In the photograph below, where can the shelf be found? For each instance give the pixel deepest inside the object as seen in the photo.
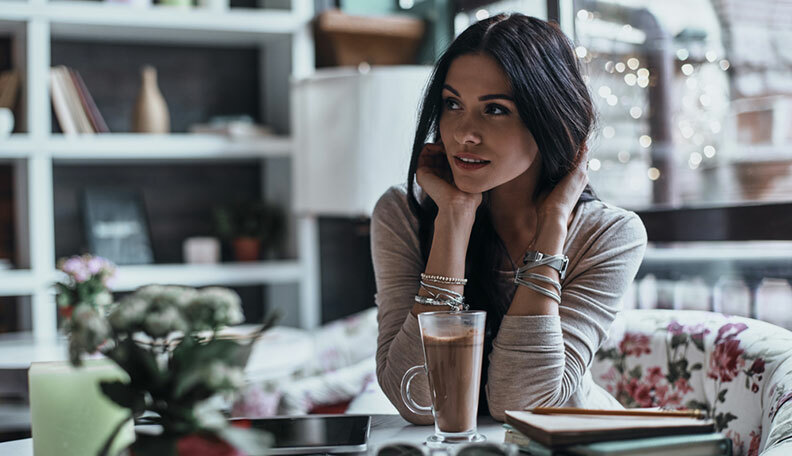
(199, 275)
(17, 282)
(131, 146)
(144, 147)
(17, 145)
(107, 21)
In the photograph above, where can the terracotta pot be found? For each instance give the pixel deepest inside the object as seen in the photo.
(246, 248)
(151, 113)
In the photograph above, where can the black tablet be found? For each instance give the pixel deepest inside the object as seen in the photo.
(314, 434)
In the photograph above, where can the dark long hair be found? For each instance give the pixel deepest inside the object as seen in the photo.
(554, 104)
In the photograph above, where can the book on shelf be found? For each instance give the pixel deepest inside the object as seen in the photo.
(9, 88)
(74, 107)
(708, 444)
(554, 431)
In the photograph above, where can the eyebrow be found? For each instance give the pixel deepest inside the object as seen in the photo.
(493, 96)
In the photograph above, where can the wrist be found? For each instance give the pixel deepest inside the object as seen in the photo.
(457, 217)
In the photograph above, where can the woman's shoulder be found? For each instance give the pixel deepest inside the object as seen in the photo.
(598, 217)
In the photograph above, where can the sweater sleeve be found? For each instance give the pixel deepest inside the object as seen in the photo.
(540, 360)
(397, 267)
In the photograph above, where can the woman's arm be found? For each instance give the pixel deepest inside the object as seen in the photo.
(539, 360)
(397, 266)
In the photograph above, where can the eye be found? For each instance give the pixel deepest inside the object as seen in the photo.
(496, 109)
(450, 104)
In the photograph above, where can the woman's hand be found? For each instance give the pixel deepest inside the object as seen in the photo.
(436, 179)
(561, 201)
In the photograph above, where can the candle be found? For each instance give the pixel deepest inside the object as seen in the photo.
(69, 413)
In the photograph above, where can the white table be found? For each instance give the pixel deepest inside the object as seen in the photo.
(384, 429)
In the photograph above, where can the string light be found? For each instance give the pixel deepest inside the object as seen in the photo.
(608, 132)
(630, 79)
(709, 151)
(582, 15)
(645, 141)
(633, 63)
(687, 69)
(604, 91)
(482, 14)
(724, 64)
(642, 82)
(705, 100)
(715, 126)
(609, 66)
(711, 56)
(620, 67)
(612, 100)
(682, 54)
(594, 164)
(695, 160)
(624, 156)
(636, 112)
(581, 52)
(653, 173)
(642, 73)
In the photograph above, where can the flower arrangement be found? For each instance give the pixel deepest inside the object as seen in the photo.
(167, 339)
(88, 281)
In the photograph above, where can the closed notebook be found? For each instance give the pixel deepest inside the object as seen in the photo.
(565, 430)
(713, 444)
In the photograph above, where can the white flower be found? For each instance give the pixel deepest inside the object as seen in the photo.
(215, 307)
(160, 324)
(129, 314)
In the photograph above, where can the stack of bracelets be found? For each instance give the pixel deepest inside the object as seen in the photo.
(439, 296)
(533, 260)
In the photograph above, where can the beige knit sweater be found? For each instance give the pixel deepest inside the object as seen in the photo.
(535, 361)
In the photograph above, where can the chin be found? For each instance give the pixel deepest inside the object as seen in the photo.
(471, 187)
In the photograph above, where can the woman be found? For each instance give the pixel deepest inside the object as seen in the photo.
(504, 177)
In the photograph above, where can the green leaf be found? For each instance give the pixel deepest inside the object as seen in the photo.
(677, 340)
(722, 395)
(635, 372)
(139, 363)
(722, 420)
(698, 342)
(124, 395)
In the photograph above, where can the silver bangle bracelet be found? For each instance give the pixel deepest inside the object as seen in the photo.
(541, 290)
(540, 278)
(454, 305)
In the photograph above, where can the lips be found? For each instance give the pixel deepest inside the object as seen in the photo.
(470, 161)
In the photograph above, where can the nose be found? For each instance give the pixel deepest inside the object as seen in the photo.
(466, 131)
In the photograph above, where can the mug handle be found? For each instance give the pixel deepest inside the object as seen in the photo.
(405, 391)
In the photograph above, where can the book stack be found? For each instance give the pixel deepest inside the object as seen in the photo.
(9, 88)
(73, 105)
(590, 435)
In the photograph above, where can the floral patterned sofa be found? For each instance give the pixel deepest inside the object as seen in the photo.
(738, 369)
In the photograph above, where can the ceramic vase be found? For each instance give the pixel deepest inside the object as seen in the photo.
(151, 113)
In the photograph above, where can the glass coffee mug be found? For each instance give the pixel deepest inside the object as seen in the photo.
(453, 344)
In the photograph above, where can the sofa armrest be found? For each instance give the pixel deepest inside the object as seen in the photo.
(777, 411)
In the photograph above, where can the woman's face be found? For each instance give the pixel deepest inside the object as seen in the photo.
(485, 140)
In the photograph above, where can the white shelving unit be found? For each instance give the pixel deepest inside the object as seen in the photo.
(284, 39)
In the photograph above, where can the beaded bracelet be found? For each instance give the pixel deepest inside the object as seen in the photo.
(443, 279)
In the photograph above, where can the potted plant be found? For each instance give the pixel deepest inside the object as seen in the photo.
(86, 282)
(167, 339)
(249, 227)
